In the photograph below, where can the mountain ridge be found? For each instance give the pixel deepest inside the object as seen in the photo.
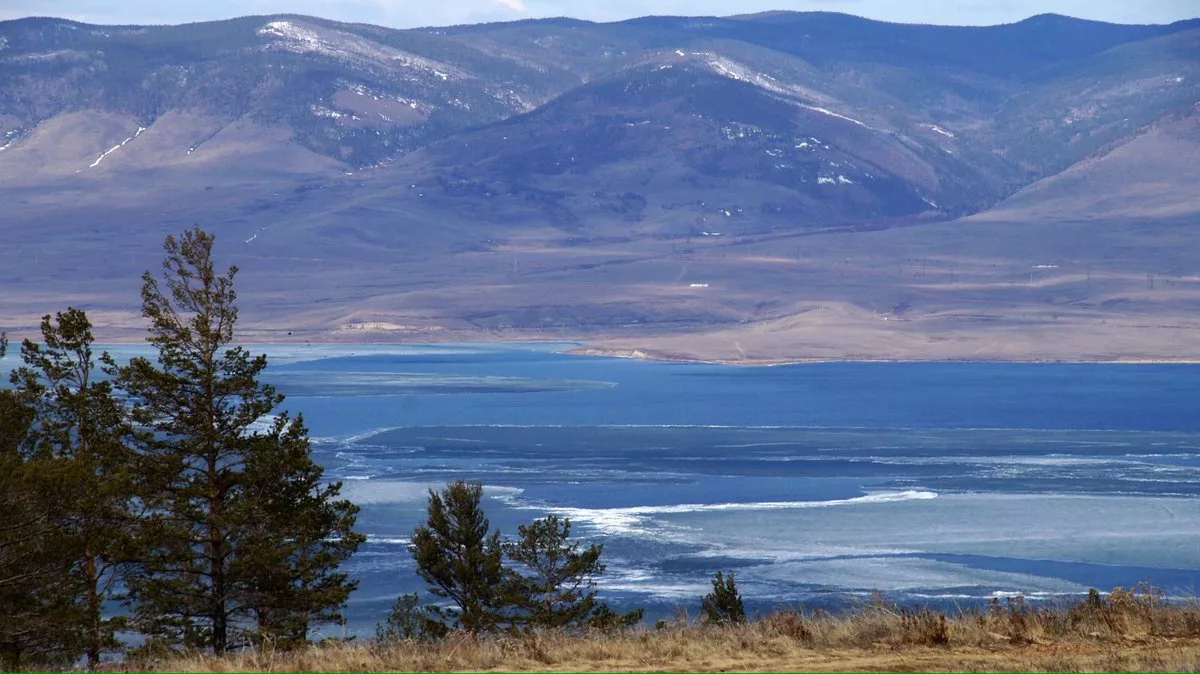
(581, 176)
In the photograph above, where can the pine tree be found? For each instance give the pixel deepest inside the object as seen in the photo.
(237, 536)
(22, 526)
(557, 587)
(459, 557)
(723, 605)
(302, 537)
(34, 602)
(408, 620)
(78, 436)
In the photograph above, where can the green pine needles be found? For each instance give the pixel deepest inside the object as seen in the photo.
(723, 606)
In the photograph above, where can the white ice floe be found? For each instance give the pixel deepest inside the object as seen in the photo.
(377, 491)
(262, 425)
(632, 519)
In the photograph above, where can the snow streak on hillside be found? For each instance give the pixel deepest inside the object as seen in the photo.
(304, 38)
(116, 147)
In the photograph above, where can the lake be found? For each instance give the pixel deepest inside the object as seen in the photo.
(817, 484)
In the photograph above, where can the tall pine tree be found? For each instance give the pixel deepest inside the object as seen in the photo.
(241, 537)
(20, 524)
(36, 606)
(78, 441)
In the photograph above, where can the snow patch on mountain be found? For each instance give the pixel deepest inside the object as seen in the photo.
(937, 129)
(116, 147)
(304, 38)
(322, 111)
(9, 138)
(727, 67)
(831, 113)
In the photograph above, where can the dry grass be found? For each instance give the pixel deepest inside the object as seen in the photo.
(1130, 630)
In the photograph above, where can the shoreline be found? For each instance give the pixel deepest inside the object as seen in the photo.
(656, 356)
(594, 346)
(602, 346)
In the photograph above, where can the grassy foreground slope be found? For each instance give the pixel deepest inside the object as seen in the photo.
(1130, 631)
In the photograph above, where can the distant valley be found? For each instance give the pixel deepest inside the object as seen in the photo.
(773, 187)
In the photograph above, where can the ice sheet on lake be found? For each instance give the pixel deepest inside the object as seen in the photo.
(376, 492)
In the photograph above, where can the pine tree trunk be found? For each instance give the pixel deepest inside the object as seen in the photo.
(94, 644)
(220, 628)
(216, 608)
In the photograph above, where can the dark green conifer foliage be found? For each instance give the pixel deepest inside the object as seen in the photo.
(408, 620)
(302, 536)
(240, 540)
(723, 606)
(459, 557)
(553, 583)
(24, 577)
(35, 603)
(76, 442)
(604, 618)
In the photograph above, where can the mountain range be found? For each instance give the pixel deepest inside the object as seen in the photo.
(774, 186)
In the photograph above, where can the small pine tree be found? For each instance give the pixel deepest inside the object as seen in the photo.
(605, 619)
(459, 557)
(553, 583)
(723, 606)
(557, 587)
(408, 620)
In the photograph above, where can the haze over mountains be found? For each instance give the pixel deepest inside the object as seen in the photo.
(774, 186)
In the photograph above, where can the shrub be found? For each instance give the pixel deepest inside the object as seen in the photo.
(723, 605)
(407, 620)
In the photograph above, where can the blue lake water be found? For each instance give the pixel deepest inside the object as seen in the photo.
(816, 483)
